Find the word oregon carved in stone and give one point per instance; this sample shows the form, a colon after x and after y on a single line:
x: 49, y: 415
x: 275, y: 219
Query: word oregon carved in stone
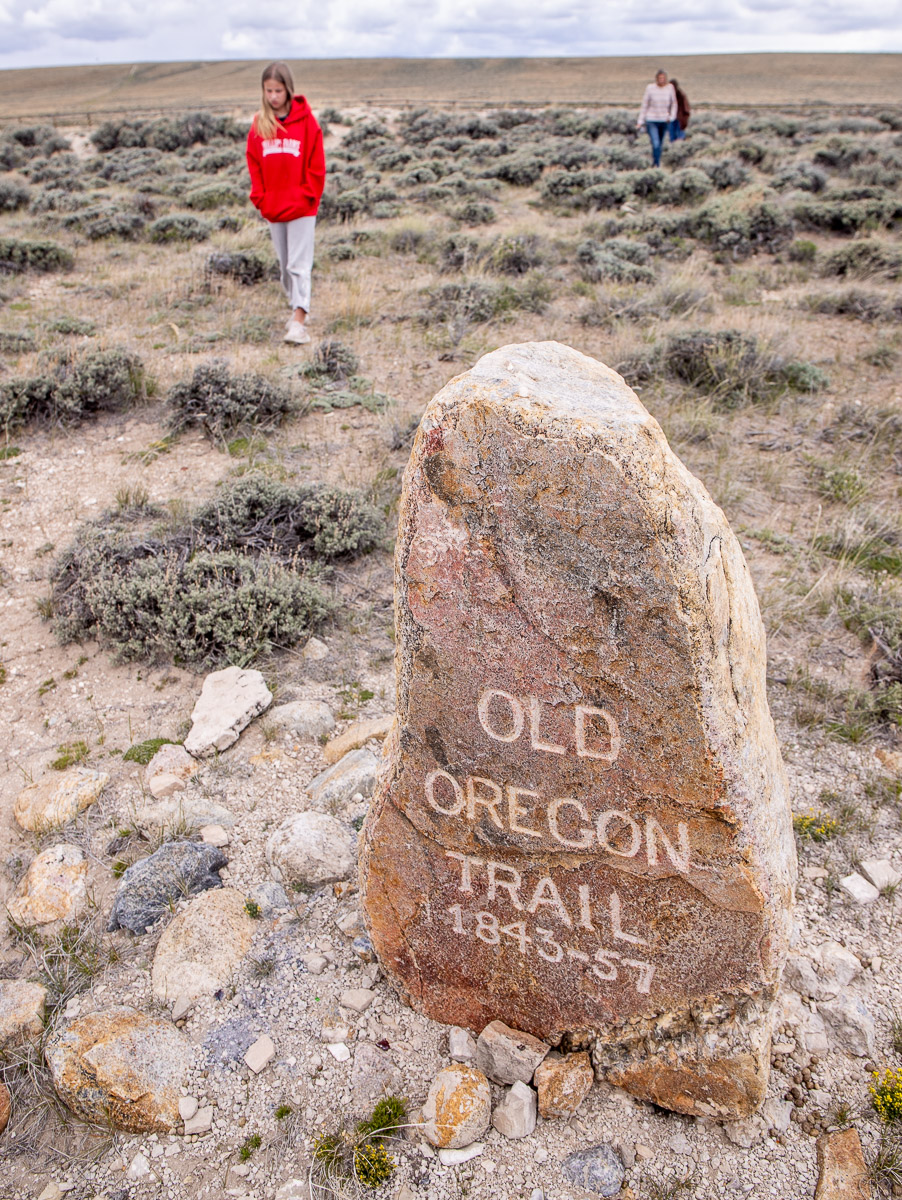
x: 582, y: 828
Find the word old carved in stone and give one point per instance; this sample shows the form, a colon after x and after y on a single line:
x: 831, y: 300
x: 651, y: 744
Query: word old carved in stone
x: 582, y: 828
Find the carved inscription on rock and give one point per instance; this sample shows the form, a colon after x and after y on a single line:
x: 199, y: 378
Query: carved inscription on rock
x: 582, y: 827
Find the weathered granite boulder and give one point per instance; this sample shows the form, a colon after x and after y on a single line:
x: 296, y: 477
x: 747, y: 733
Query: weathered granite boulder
x: 57, y: 799
x: 202, y: 946
x: 21, y: 1011
x: 583, y: 825
x: 52, y: 890
x: 122, y: 1066
x: 311, y: 848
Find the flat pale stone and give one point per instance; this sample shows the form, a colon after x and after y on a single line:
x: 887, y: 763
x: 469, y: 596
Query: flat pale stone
x: 171, y: 759
x: 201, y: 1122
x: 461, y: 1045
x: 357, y: 999
x: 202, y: 946
x: 215, y: 835
x: 515, y: 1116
x: 339, y: 1051
x: 842, y: 1174
x: 121, y: 1065
x: 315, y: 650
x: 859, y: 889
x: 312, y: 848
x: 356, y: 735
x: 308, y: 720
x: 838, y: 966
x: 506, y: 1055
x: 53, y: 889
x: 181, y: 1006
x: 458, y: 1107
x: 850, y: 1025
x: 183, y: 813
x: 260, y: 1054
x: 187, y: 1107
x: 229, y: 701
x: 57, y: 799
x: 880, y: 872
x: 454, y: 1158
x: 163, y: 784
x: 583, y: 822
x: 355, y: 772
x: 21, y: 1011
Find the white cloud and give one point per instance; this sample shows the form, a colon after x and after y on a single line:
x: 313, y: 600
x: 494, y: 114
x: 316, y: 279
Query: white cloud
x: 47, y: 32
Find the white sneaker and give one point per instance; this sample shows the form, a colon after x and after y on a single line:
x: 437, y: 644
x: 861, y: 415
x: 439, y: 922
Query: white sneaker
x: 297, y: 334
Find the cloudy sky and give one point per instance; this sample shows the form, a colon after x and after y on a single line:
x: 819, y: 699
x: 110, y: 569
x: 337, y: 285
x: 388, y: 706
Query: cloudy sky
x: 53, y: 32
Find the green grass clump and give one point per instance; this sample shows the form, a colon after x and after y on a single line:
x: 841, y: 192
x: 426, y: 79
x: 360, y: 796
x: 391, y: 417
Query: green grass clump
x: 251, y: 1144
x: 345, y: 1157
x: 69, y: 755
x: 815, y: 826
x: 143, y: 752
x: 886, y: 1094
x: 253, y: 910
x: 283, y: 1111
x: 389, y: 1114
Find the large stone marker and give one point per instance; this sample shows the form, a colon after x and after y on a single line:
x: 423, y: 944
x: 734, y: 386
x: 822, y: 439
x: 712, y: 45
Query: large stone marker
x: 582, y: 828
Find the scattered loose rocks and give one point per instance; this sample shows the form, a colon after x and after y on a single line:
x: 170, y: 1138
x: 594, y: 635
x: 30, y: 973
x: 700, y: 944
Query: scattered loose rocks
x: 597, y: 1169
x: 515, y: 1116
x: 120, y: 1065
x: 202, y: 946
x: 563, y: 1083
x: 187, y: 810
x: 858, y: 888
x: 311, y: 849
x: 374, y: 1074
x: 169, y: 770
x: 458, y: 1108
x: 307, y: 720
x: 21, y: 1011
x: 229, y: 701
x: 151, y: 887
x: 505, y: 1055
x: 53, y: 889
x: 54, y: 800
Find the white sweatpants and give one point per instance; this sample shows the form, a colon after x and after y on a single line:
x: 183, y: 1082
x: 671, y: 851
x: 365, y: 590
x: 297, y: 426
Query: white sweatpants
x: 293, y: 241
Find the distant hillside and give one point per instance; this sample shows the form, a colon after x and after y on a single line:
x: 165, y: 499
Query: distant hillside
x: 743, y: 79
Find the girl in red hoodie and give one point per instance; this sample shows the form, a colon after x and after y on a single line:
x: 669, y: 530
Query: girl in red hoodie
x: 288, y: 173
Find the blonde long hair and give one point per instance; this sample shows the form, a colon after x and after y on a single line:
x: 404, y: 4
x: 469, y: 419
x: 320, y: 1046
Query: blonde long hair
x: 266, y: 123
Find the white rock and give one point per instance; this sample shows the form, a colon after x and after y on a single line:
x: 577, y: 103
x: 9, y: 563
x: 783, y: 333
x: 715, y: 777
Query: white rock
x: 187, y: 1107
x: 339, y: 1051
x: 21, y: 1011
x: 515, y: 1116
x: 880, y: 872
x: 746, y: 1132
x: 312, y: 848
x: 315, y: 963
x: 163, y: 784
x: 777, y: 1114
x: 202, y: 946
x: 308, y: 720
x: 58, y: 798
x: 315, y: 650
x: 859, y: 889
x: 214, y: 835
x: 293, y: 1189
x: 181, y: 1007
x: 838, y: 966
x: 201, y: 1122
x: 800, y: 975
x: 850, y: 1025
x: 229, y: 700
x: 139, y: 1167
x: 680, y: 1144
x: 52, y: 1191
x: 171, y: 760
x: 260, y: 1053
x: 453, y: 1158
x: 53, y: 889
x: 355, y: 772
x: 357, y: 999
x: 461, y: 1045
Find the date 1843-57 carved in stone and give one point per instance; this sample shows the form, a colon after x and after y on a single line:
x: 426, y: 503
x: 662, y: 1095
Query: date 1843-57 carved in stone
x: 582, y: 827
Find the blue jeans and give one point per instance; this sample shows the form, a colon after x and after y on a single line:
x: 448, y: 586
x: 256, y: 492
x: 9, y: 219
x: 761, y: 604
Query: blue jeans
x: 657, y: 131
x: 676, y: 133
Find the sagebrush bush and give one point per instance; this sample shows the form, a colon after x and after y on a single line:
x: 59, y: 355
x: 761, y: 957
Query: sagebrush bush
x: 615, y: 258
x: 475, y: 212
x: 800, y: 176
x: 734, y: 369
x: 246, y: 266
x: 106, y: 220
x: 73, y: 386
x: 166, y: 133
x: 848, y: 214
x: 516, y: 254
x: 219, y: 402
x: 334, y: 360
x: 13, y: 195
x: 864, y: 258
x: 855, y: 302
x: 178, y: 227
x: 17, y: 255
x: 213, y: 195
x: 742, y: 223
x: 15, y: 343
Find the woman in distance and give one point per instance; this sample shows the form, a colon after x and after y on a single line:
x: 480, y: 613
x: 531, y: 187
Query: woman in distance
x: 659, y: 108
x: 681, y: 120
x: 288, y: 173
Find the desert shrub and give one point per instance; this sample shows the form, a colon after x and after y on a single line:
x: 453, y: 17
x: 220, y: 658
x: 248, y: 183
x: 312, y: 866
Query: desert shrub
x: 606, y: 195
x: 219, y: 402
x: 334, y: 360
x: 615, y: 259
x: 262, y: 515
x: 410, y: 240
x: 205, y: 612
x: 512, y: 118
x: 516, y: 254
x: 734, y: 369
x: 390, y: 158
x: 802, y: 251
x: 474, y: 212
x: 333, y: 117
x: 876, y: 175
x: 725, y: 172
x: 571, y: 186
x: 211, y: 159
x: 166, y: 133
x: 106, y: 220
x: 56, y: 199
x: 213, y: 195
x: 685, y: 186
x: 17, y: 255
x: 522, y: 169
x: 73, y: 325
x: 847, y: 215
x: 472, y: 302
x: 15, y: 343
x: 128, y: 164
x: 626, y: 158
x: 246, y: 266
x: 841, y: 152
x: 853, y: 302
x: 457, y: 253
x: 74, y: 386
x: 13, y: 195
x: 63, y: 170
x: 178, y: 227
x: 38, y: 139
x: 742, y: 224
x: 752, y: 152
x: 861, y: 259
x: 11, y: 154
x: 644, y: 183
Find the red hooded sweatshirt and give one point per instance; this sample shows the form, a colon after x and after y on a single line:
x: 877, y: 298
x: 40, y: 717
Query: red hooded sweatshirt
x: 288, y: 171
